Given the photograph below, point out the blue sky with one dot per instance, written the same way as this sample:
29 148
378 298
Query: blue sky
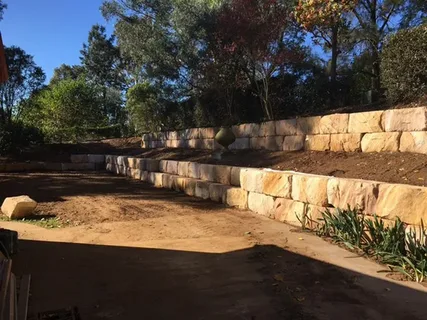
53 31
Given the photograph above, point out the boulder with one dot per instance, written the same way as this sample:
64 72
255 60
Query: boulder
365 122
403 201
411 119
310 189
334 123
381 142
415 142
290 211
320 142
261 204
346 142
308 125
277 184
252 180
293 143
18 207
286 127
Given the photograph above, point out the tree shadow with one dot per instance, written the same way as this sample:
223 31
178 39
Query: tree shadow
260 282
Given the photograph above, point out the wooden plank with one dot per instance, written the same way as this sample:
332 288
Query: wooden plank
24 295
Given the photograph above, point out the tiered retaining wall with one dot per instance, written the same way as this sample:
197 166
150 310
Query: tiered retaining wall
398 130
287 196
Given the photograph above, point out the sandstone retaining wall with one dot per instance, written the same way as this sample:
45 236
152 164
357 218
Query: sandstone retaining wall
399 130
292 197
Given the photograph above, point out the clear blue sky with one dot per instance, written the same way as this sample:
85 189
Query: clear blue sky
53 31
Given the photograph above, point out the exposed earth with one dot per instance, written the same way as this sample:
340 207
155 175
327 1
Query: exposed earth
129 251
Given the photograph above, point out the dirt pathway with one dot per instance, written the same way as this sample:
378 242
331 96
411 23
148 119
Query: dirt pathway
173 257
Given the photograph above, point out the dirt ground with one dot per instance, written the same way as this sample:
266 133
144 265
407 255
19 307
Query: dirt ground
131 251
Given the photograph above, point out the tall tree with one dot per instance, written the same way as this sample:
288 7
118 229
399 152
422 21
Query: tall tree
67 72
24 78
104 68
3 6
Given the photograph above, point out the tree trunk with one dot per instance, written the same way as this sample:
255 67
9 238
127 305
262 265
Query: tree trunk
334 63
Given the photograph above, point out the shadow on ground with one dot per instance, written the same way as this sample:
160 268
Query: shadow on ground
262 282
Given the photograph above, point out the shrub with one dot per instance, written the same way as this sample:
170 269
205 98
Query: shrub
16 136
404 65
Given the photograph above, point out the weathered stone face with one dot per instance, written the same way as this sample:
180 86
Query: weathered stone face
183 168
334 123
207 144
365 122
357 194
381 142
152 165
293 143
194 170
235 197
172 167
415 142
235 176
18 207
310 189
135 174
286 127
217 191
403 201
261 204
346 142
267 143
222 174
240 144
314 216
145 176
289 211
267 129
140 164
207 172
277 184
413 119
208 133
202 189
320 142
308 125
251 180
246 130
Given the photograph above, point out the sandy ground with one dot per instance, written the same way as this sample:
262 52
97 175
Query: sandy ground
135 252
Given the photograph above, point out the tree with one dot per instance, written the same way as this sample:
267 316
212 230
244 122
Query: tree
24 78
326 21
67 72
67 109
3 6
251 35
103 66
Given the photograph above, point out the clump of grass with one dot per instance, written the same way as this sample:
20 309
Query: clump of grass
44 222
405 252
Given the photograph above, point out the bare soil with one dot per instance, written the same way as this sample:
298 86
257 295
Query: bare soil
136 252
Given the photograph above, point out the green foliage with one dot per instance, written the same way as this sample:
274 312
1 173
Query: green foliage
404 65
67 72
16 136
68 108
405 252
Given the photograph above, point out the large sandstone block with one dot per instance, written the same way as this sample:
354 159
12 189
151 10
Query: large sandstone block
132 162
365 122
183 168
109 167
110 159
334 123
145 176
403 201
207 172
79 158
261 204
356 194
217 191
190 186
140 164
310 189
172 135
18 207
415 142
215 173
172 167
346 142
156 178
192 133
240 144
252 180
293 143
135 174
235 197
314 216
286 127
235 176
320 142
152 165
194 170
381 142
277 184
195 143
208 144
182 143
246 130
272 143
179 183
96 158
168 181
202 189
207 133
267 129
411 119
122 161
290 211
146 137
308 125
